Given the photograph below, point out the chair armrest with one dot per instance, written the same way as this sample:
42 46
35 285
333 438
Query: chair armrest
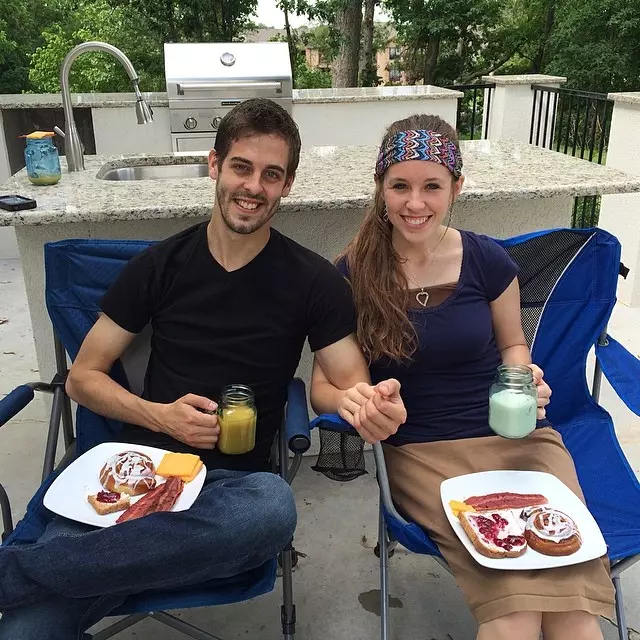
333 422
622 370
296 420
15 402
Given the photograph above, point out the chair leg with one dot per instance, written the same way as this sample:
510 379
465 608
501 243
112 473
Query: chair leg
182 626
623 634
117 627
384 576
288 609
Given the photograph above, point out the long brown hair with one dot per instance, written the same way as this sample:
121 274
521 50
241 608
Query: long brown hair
379 287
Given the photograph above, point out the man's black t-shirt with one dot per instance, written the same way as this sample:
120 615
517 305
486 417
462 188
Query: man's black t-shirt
211 327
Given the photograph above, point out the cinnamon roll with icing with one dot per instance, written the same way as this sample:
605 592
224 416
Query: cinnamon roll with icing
129 472
551 532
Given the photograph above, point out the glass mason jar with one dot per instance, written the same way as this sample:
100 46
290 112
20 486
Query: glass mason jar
513 402
237 417
43 161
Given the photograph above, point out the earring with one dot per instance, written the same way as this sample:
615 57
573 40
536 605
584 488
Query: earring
450 216
385 217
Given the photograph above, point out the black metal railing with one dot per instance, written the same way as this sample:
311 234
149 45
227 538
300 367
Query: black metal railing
576 123
473 113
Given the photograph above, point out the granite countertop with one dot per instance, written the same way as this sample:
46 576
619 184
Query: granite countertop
328 178
374 94
159 99
54 100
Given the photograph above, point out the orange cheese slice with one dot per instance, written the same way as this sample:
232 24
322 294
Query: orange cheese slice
196 471
178 464
457 506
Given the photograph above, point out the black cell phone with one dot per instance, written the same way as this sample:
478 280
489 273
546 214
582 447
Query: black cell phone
16 203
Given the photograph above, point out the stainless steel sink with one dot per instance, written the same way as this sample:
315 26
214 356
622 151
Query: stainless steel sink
155 172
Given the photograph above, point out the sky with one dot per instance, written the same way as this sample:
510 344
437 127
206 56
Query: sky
269 14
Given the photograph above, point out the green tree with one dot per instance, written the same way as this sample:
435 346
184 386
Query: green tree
20 34
367 68
324 40
193 20
307 78
303 76
596 44
441 35
94 71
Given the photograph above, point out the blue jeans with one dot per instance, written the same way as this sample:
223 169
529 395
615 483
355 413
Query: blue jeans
75 575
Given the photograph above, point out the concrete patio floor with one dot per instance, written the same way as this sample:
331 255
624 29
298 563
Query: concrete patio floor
336 582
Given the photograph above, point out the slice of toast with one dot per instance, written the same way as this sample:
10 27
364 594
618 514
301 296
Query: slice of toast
104 508
495 534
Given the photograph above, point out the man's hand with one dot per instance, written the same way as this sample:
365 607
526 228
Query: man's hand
544 390
375 412
186 421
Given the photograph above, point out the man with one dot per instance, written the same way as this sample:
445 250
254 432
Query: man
229 301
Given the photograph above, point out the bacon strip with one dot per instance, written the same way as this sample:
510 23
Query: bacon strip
141 507
172 492
162 498
505 500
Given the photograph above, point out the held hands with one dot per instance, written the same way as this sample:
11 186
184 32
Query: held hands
544 390
186 420
374 412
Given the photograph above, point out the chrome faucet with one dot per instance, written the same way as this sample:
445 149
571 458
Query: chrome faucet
73 147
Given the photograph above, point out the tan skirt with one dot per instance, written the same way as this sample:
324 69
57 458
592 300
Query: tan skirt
416 472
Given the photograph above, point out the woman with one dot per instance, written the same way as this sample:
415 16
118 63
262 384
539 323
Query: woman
439 309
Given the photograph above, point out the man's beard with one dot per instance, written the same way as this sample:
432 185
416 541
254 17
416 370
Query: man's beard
251 225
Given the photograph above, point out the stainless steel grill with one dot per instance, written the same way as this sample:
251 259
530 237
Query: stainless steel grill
206 80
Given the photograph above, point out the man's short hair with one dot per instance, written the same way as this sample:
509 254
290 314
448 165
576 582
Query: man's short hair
258 116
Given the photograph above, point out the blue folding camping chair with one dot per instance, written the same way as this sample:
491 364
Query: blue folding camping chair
568 280
78 272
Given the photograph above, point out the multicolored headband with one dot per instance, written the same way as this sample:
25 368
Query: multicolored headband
419 144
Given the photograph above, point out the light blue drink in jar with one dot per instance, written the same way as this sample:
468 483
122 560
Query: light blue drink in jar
42 159
513 402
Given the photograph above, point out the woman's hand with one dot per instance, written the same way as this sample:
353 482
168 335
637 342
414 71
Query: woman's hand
544 390
374 412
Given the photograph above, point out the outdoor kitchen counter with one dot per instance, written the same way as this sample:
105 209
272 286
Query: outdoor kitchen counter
510 188
160 99
328 178
107 120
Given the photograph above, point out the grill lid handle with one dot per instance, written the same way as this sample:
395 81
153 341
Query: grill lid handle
183 87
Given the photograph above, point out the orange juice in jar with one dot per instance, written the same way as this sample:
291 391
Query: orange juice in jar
237 417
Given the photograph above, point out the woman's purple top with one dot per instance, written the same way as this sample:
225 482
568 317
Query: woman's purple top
446 384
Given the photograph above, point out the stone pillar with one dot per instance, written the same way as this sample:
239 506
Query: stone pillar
512 104
620 214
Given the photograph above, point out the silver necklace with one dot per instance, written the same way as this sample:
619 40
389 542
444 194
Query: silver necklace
422 297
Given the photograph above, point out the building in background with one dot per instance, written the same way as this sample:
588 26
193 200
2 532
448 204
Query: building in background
389 63
388 58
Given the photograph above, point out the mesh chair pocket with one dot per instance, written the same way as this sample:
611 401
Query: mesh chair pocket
341 455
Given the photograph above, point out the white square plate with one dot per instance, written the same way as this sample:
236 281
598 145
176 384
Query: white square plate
559 497
67 496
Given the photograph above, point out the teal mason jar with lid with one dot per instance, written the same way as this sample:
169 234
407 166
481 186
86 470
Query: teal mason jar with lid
42 159
513 402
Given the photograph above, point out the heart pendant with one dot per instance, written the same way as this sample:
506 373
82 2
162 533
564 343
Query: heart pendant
422 298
